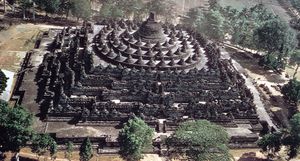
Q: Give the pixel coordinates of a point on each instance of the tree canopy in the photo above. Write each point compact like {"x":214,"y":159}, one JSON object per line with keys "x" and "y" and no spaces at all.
{"x":41,"y":143}
{"x":275,"y":36}
{"x":135,"y":137}
{"x":291,"y":91}
{"x":48,"y":6}
{"x":254,"y":28}
{"x":69,"y":150}
{"x":271,"y":143}
{"x":137,"y":9}
{"x":81,"y":9}
{"x":293,"y":140}
{"x":200,"y":140}
{"x":86,"y":151}
{"x":15,"y":127}
{"x":133,"y":8}
{"x":3,"y":81}
{"x":296,"y":4}
{"x":290,"y":137}
{"x":109,"y":9}
{"x":295,"y":60}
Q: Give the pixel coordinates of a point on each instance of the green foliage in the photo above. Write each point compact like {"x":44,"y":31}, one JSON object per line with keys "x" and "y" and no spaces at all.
{"x":41,"y":143}
{"x":295,"y":57}
{"x":292,"y":141}
{"x":164,"y":8}
{"x":25,"y":3}
{"x":81,"y":9}
{"x":295,"y":126}
{"x":3,"y":81}
{"x":246,"y":22}
{"x":254,"y":28}
{"x":86,"y":151}
{"x":213,"y":26}
{"x":48,"y":6}
{"x":110,"y":10}
{"x":69,"y":150}
{"x":15,"y":127}
{"x":275,"y":36}
{"x":289,"y":137}
{"x":291,"y":91}
{"x":137,"y":9}
{"x":131,"y":7}
{"x":201,"y":140}
{"x":194,"y":17}
{"x":271,"y":142}
{"x":270,"y":61}
{"x":53,"y":149}
{"x":210,"y":23}
{"x":295,"y":60}
{"x":157,"y":6}
{"x":135,"y":137}
{"x":296,"y":4}
{"x":64,"y":7}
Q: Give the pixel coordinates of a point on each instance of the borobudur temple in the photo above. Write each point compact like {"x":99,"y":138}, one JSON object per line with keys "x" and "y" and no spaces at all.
{"x":89,"y":80}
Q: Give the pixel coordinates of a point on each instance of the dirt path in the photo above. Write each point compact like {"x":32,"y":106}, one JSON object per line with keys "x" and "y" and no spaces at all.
{"x":261,"y":111}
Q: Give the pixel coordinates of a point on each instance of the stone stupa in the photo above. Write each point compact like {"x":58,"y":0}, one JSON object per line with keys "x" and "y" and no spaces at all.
{"x":151,"y":30}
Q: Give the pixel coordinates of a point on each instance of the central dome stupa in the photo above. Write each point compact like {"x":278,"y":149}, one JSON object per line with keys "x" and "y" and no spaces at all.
{"x":150,"y":30}
{"x":150,"y":45}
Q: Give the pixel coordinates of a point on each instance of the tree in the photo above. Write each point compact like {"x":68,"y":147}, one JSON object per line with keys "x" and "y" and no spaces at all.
{"x":270,"y":61}
{"x":194,"y":18}
{"x":25,"y":4}
{"x":295,"y":60}
{"x":42,"y":143}
{"x":211,"y":23}
{"x":15,"y":127}
{"x":164,"y":8}
{"x":86,"y":151}
{"x":69,"y":150}
{"x":110,"y":10}
{"x":292,"y":141}
{"x":200,"y":140}
{"x":135,"y":137}
{"x":288,"y":137}
{"x":133,"y":8}
{"x":53,"y":149}
{"x":291,"y":91}
{"x":48,"y":6}
{"x":3,"y":81}
{"x":64,"y":7}
{"x":271,"y":143}
{"x":81,"y":9}
{"x":296,"y":4}
{"x":275,"y":37}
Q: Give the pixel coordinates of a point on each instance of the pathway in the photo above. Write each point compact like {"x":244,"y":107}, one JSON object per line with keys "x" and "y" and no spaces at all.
{"x":260,"y":108}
